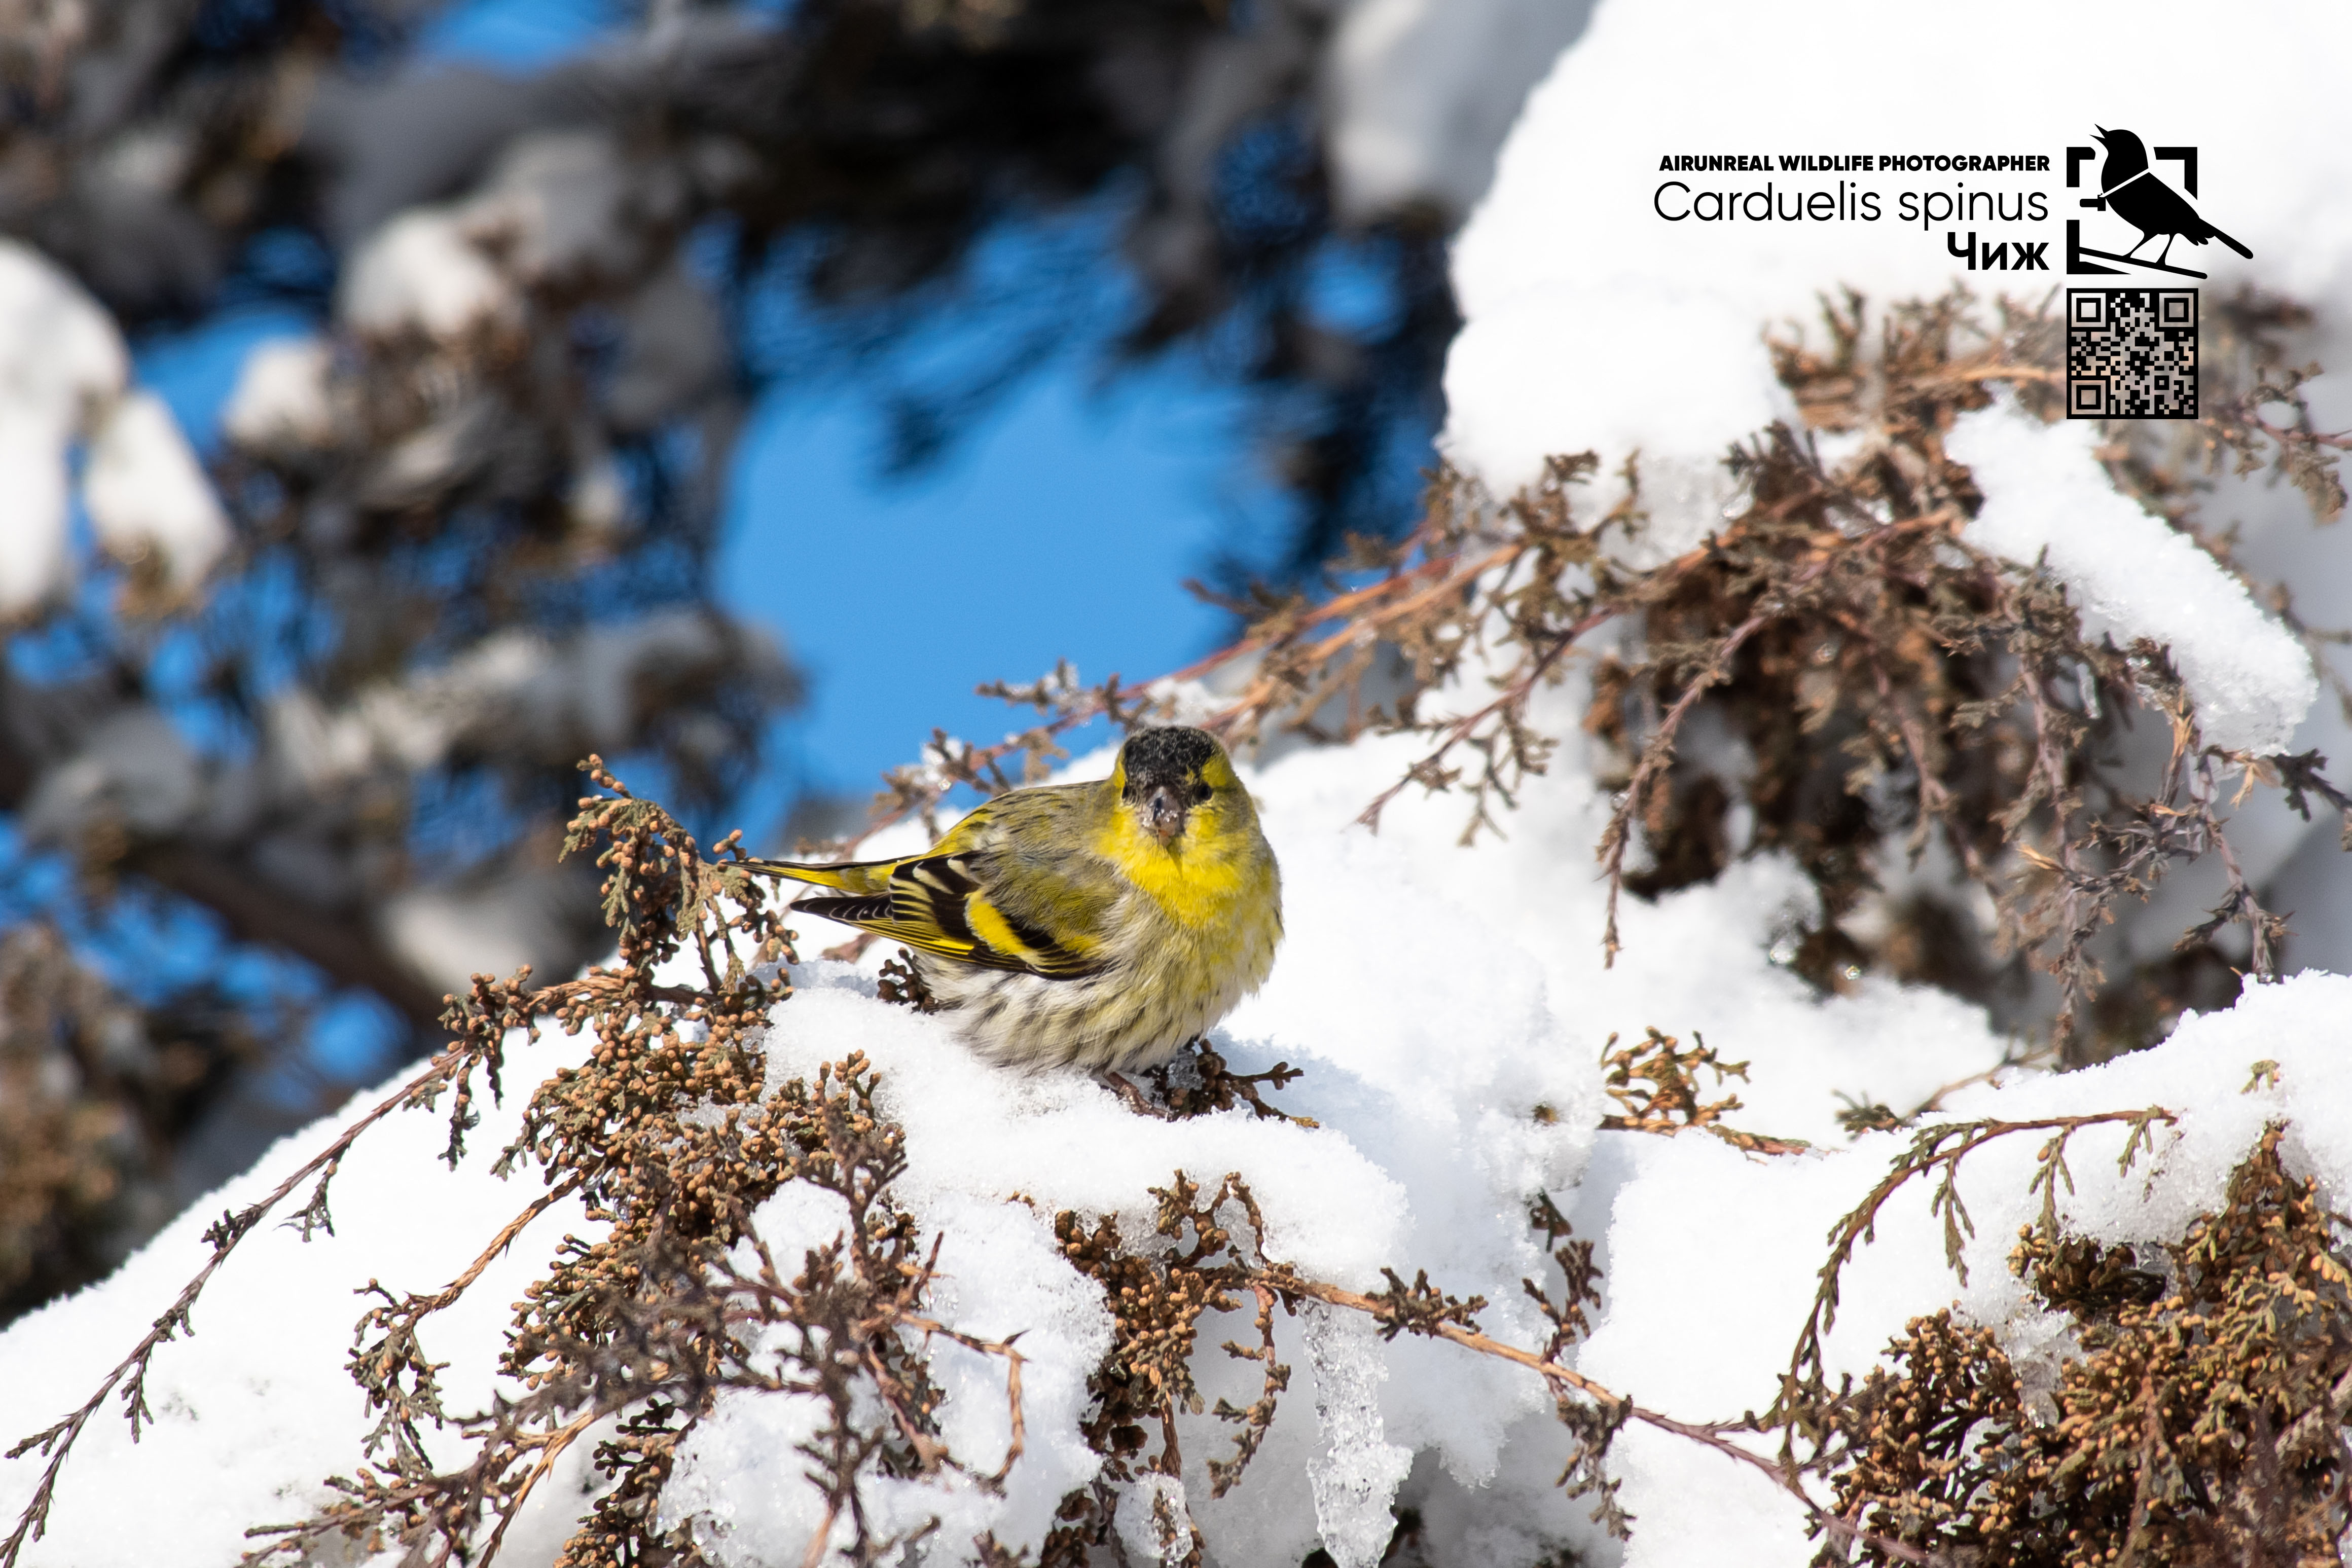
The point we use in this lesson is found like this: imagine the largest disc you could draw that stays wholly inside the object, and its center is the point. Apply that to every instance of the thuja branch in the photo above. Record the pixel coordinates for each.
(454, 1065)
(1938, 1151)
(662, 897)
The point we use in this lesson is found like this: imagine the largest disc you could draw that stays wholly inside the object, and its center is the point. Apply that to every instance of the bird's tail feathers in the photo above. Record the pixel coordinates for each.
(2233, 245)
(853, 877)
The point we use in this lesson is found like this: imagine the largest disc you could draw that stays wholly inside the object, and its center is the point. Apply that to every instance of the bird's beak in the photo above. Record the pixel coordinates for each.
(2099, 134)
(1163, 814)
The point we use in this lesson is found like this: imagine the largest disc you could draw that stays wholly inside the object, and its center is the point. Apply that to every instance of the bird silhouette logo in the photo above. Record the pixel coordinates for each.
(2131, 189)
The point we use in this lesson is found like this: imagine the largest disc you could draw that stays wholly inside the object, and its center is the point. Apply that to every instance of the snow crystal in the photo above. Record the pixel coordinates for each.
(2046, 494)
(147, 494)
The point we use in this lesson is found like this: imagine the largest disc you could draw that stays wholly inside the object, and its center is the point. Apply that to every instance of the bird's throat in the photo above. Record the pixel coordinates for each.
(1195, 884)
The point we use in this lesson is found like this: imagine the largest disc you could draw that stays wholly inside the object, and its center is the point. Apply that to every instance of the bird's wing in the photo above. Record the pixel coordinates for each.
(1013, 886)
(942, 904)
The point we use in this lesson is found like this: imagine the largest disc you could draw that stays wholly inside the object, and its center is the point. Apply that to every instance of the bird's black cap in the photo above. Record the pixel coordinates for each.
(1165, 756)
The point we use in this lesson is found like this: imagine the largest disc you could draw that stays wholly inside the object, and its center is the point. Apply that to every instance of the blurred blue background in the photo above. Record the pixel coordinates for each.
(1059, 524)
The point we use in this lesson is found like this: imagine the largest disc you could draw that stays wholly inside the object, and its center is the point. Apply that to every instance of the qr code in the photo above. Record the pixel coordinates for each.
(2131, 353)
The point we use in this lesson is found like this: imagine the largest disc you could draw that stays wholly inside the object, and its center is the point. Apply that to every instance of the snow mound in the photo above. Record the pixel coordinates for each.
(1602, 312)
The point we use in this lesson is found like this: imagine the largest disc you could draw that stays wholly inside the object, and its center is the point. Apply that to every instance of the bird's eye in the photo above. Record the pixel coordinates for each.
(1200, 792)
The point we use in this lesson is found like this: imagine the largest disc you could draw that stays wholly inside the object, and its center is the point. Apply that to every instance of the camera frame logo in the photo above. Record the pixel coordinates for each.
(2131, 353)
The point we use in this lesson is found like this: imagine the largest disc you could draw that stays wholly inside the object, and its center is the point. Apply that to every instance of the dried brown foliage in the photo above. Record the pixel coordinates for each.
(94, 1090)
(1897, 690)
(1157, 1297)
(2203, 1423)
(64, 1144)
(649, 1320)
(661, 1311)
(1196, 1080)
(1810, 1406)
(1655, 1085)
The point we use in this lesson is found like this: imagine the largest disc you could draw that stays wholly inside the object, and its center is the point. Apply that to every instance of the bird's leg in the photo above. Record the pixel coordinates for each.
(2134, 249)
(2167, 250)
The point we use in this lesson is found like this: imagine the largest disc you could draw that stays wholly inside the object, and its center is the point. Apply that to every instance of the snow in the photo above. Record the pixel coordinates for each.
(1670, 1338)
(35, 565)
(60, 356)
(558, 209)
(147, 494)
(59, 351)
(421, 273)
(246, 1426)
(133, 769)
(566, 207)
(1356, 1471)
(1422, 92)
(2046, 495)
(63, 373)
(279, 401)
(1594, 321)
(1435, 996)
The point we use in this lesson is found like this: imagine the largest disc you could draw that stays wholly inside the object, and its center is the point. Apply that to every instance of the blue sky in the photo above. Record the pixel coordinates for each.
(1063, 527)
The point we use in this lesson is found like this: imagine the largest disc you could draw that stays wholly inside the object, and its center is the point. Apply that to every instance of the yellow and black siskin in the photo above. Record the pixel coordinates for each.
(1098, 926)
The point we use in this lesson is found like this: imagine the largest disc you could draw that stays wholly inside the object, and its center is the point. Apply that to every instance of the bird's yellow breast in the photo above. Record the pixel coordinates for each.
(1200, 884)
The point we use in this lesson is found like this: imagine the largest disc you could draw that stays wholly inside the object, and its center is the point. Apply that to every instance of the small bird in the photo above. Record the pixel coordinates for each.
(1094, 926)
(2134, 194)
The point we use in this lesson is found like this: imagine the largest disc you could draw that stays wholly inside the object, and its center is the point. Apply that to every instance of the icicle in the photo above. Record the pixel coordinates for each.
(1356, 1475)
